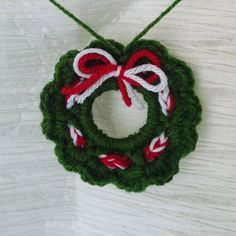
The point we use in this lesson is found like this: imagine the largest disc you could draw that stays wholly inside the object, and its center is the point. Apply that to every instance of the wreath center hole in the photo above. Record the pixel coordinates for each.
(114, 118)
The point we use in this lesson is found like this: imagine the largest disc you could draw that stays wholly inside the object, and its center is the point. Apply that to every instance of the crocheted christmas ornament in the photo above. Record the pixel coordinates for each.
(147, 157)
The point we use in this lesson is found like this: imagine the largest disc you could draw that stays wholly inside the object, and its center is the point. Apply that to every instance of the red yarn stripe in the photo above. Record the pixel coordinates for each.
(105, 67)
(142, 54)
(80, 142)
(83, 63)
(114, 161)
(149, 155)
(124, 92)
(88, 82)
(172, 103)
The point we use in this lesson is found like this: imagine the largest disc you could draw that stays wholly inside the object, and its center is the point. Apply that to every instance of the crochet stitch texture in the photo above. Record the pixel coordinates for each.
(179, 126)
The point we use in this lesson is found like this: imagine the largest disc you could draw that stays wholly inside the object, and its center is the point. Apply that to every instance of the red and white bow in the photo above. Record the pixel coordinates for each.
(93, 75)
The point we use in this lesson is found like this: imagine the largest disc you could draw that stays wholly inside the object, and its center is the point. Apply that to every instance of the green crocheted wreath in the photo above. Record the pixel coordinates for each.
(141, 159)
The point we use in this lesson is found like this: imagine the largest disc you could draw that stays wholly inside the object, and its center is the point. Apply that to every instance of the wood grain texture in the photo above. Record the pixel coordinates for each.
(39, 198)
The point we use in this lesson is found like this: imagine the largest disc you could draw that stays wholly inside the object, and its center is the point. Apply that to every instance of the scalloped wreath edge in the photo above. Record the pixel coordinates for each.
(86, 166)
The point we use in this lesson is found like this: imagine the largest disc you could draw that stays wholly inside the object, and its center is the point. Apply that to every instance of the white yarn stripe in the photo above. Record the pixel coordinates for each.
(87, 51)
(104, 156)
(134, 98)
(131, 73)
(131, 92)
(162, 139)
(121, 167)
(74, 133)
(154, 88)
(80, 98)
(70, 102)
(164, 100)
(161, 88)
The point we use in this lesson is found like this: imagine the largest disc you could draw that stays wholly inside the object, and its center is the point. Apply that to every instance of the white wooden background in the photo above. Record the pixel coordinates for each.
(39, 198)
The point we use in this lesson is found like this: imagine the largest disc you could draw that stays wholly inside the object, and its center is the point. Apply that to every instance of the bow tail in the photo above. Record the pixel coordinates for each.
(124, 92)
(80, 98)
(133, 95)
(80, 92)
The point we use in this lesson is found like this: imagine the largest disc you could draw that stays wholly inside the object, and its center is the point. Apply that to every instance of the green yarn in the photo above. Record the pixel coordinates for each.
(180, 127)
(81, 23)
(154, 22)
(99, 37)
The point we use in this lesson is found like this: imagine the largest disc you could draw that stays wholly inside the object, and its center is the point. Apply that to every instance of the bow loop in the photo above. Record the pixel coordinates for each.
(92, 60)
(95, 66)
(143, 57)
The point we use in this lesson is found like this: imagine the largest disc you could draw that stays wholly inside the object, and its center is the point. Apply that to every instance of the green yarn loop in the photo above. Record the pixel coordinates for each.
(180, 126)
(154, 22)
(81, 23)
(99, 37)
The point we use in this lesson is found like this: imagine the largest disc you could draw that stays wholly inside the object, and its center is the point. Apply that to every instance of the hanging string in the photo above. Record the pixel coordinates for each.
(99, 37)
(154, 22)
(82, 24)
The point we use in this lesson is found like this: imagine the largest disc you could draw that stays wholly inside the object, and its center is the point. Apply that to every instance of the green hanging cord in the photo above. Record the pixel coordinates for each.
(82, 24)
(99, 37)
(150, 25)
